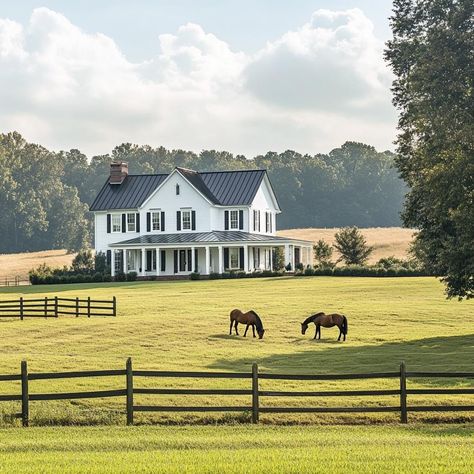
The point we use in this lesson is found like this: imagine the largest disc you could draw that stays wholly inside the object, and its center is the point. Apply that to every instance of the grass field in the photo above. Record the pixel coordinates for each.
(184, 326)
(239, 449)
(386, 241)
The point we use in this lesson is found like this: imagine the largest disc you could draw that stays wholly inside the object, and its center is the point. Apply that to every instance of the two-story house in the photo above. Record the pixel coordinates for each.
(185, 221)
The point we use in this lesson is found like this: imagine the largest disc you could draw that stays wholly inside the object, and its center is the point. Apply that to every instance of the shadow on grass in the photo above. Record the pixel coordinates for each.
(435, 354)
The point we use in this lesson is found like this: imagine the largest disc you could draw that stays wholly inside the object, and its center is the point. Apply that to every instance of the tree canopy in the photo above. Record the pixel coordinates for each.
(432, 56)
(45, 195)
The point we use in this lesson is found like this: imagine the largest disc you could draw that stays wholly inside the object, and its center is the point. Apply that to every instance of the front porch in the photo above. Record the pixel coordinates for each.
(155, 261)
(180, 254)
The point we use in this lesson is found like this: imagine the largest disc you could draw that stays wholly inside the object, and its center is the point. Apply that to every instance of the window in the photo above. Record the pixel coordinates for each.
(268, 222)
(234, 219)
(256, 221)
(186, 220)
(131, 223)
(155, 221)
(118, 261)
(131, 260)
(177, 190)
(116, 223)
(234, 258)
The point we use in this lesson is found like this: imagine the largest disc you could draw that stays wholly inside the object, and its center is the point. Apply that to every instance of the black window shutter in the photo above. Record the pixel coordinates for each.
(148, 221)
(241, 220)
(266, 221)
(176, 261)
(226, 257)
(258, 220)
(178, 220)
(196, 266)
(163, 260)
(109, 257)
(109, 223)
(193, 220)
(138, 222)
(122, 263)
(271, 222)
(189, 263)
(162, 222)
(149, 259)
(226, 220)
(241, 257)
(124, 222)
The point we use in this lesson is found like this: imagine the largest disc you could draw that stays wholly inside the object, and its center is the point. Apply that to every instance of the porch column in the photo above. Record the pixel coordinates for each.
(208, 261)
(112, 262)
(287, 254)
(193, 259)
(143, 262)
(158, 263)
(221, 259)
(271, 259)
(125, 263)
(246, 258)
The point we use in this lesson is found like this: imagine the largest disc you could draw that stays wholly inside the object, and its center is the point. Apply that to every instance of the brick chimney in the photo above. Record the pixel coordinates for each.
(118, 172)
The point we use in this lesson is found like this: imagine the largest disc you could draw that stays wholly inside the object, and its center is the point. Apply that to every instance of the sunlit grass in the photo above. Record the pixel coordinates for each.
(184, 326)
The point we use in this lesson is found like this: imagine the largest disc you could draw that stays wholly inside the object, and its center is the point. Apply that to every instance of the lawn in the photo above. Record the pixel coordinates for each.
(184, 326)
(239, 449)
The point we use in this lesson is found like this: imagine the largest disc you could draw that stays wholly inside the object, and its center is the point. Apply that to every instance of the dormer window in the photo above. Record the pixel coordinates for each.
(177, 189)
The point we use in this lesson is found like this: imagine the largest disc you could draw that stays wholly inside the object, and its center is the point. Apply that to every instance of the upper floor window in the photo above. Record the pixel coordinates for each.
(256, 220)
(131, 222)
(155, 221)
(234, 219)
(116, 223)
(186, 220)
(268, 222)
(177, 189)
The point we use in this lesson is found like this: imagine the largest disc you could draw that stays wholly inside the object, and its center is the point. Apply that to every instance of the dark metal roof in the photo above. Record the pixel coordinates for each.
(233, 188)
(131, 194)
(226, 188)
(216, 236)
(195, 179)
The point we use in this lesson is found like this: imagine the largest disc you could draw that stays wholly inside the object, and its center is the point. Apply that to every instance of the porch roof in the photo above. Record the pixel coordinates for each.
(213, 237)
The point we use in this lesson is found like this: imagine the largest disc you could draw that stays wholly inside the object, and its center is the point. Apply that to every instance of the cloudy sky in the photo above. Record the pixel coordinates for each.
(245, 76)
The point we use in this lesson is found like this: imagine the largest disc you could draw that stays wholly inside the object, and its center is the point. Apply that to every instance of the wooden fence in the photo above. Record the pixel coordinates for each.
(14, 281)
(255, 394)
(54, 307)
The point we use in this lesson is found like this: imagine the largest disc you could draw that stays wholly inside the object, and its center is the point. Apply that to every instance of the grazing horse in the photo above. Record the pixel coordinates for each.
(250, 318)
(327, 321)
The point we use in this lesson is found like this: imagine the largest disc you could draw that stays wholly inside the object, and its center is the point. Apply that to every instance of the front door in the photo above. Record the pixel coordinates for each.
(182, 260)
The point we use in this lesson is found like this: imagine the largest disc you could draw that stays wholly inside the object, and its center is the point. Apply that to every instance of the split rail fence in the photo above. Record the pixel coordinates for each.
(55, 307)
(256, 395)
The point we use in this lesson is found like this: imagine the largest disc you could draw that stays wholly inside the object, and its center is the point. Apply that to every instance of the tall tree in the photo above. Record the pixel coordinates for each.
(432, 56)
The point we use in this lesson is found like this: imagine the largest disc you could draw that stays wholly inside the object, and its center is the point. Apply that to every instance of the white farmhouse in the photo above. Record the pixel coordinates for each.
(182, 222)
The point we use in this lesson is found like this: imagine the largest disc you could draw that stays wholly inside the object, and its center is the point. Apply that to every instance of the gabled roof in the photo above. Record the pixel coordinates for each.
(133, 191)
(225, 188)
(216, 236)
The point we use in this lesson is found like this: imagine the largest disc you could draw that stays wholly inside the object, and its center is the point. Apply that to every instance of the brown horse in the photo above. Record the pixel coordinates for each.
(327, 321)
(250, 318)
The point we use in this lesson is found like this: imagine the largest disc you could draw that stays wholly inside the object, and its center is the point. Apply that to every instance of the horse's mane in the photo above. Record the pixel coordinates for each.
(312, 318)
(258, 321)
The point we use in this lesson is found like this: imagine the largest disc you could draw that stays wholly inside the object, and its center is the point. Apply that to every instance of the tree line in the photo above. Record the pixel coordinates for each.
(44, 195)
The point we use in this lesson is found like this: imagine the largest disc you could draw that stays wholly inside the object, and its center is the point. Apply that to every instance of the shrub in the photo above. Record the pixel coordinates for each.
(83, 262)
(214, 276)
(120, 276)
(132, 276)
(100, 263)
(323, 254)
(309, 271)
(299, 267)
(288, 267)
(278, 259)
(195, 276)
(352, 246)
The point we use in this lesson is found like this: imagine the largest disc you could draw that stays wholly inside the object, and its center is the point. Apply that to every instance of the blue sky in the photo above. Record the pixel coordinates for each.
(246, 76)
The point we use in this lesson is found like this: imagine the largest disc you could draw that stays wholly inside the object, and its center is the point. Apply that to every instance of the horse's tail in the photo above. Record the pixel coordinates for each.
(345, 326)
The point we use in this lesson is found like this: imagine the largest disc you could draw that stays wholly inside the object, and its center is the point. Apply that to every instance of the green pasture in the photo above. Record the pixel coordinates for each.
(184, 325)
(239, 449)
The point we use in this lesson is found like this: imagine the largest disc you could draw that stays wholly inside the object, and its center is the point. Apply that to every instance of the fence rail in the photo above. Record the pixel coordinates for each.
(54, 307)
(257, 395)
(14, 281)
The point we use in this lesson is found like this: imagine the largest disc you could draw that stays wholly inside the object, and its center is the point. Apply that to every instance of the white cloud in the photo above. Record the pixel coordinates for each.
(310, 90)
